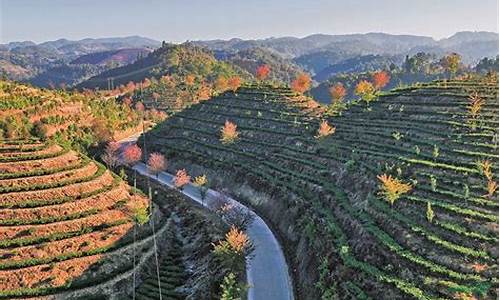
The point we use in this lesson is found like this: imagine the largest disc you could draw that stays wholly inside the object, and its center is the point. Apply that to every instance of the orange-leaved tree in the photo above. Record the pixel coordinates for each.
(221, 84)
(302, 83)
(338, 92)
(234, 248)
(365, 90)
(325, 130)
(234, 83)
(190, 80)
(228, 133)
(262, 72)
(156, 163)
(181, 178)
(380, 79)
(392, 188)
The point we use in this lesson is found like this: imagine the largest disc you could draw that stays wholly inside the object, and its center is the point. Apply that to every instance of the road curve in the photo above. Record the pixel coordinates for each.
(267, 272)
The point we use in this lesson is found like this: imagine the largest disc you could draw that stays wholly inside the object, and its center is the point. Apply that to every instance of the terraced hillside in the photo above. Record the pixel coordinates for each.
(64, 221)
(78, 119)
(439, 241)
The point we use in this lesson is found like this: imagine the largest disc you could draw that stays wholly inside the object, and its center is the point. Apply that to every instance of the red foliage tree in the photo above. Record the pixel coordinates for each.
(262, 72)
(302, 83)
(181, 178)
(132, 154)
(380, 79)
(234, 83)
(156, 163)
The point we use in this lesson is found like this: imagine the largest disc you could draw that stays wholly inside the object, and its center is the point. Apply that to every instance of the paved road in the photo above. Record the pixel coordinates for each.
(267, 271)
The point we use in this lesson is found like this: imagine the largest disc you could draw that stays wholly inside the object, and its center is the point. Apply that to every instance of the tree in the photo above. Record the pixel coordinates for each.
(392, 188)
(131, 155)
(262, 72)
(233, 249)
(365, 90)
(156, 163)
(201, 182)
(181, 179)
(337, 92)
(111, 156)
(234, 83)
(221, 84)
(325, 130)
(380, 79)
(190, 79)
(228, 133)
(451, 63)
(302, 83)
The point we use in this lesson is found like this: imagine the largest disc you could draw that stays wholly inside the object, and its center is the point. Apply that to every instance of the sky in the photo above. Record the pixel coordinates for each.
(181, 20)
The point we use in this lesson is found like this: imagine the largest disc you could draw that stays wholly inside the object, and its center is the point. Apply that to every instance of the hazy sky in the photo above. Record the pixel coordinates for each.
(180, 20)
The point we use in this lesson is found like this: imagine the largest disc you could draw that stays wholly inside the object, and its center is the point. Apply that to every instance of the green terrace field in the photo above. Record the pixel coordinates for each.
(343, 238)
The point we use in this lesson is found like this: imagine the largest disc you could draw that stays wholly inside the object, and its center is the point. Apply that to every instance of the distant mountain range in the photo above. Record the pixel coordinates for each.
(59, 61)
(320, 54)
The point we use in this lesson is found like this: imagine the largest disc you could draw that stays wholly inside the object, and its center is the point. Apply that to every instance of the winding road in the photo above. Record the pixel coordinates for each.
(267, 272)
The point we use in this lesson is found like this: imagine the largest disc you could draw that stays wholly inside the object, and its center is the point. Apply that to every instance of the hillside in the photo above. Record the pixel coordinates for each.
(322, 195)
(63, 218)
(283, 70)
(71, 228)
(179, 60)
(116, 57)
(79, 120)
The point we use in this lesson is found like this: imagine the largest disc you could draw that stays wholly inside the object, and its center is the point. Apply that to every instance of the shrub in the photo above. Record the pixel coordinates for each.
(392, 188)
